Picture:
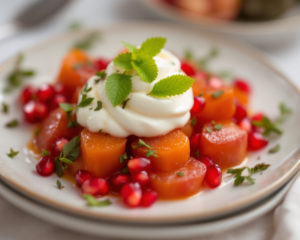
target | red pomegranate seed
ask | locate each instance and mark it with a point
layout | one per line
(256, 141)
(213, 176)
(136, 165)
(81, 176)
(257, 117)
(95, 186)
(200, 75)
(142, 178)
(45, 93)
(59, 88)
(101, 64)
(240, 113)
(119, 180)
(242, 85)
(35, 111)
(207, 161)
(149, 197)
(198, 106)
(246, 125)
(131, 195)
(195, 141)
(45, 166)
(215, 83)
(27, 94)
(59, 145)
(57, 99)
(187, 68)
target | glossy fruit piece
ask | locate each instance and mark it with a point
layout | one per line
(149, 197)
(95, 186)
(217, 108)
(45, 93)
(54, 127)
(246, 125)
(77, 67)
(227, 147)
(256, 141)
(213, 177)
(257, 117)
(59, 145)
(81, 176)
(27, 94)
(188, 68)
(188, 128)
(200, 83)
(35, 112)
(195, 141)
(240, 113)
(45, 167)
(101, 63)
(207, 161)
(242, 85)
(215, 83)
(57, 99)
(75, 95)
(119, 180)
(241, 92)
(101, 152)
(131, 194)
(136, 165)
(180, 183)
(172, 150)
(198, 106)
(142, 178)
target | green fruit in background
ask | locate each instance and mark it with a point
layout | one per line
(265, 9)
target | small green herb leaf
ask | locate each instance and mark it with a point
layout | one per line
(171, 86)
(217, 94)
(71, 150)
(275, 149)
(12, 124)
(99, 106)
(85, 101)
(87, 42)
(45, 153)
(12, 153)
(218, 126)
(152, 46)
(151, 153)
(118, 87)
(180, 174)
(141, 143)
(123, 157)
(59, 185)
(91, 201)
(123, 61)
(268, 126)
(208, 129)
(5, 107)
(145, 67)
(129, 46)
(67, 107)
(193, 121)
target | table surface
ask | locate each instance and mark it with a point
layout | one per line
(99, 13)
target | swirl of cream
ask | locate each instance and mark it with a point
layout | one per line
(143, 115)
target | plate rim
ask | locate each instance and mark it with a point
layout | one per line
(247, 49)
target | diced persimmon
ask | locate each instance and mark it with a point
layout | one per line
(181, 183)
(77, 67)
(187, 128)
(53, 128)
(227, 146)
(75, 95)
(101, 152)
(219, 105)
(172, 150)
(75, 166)
(241, 96)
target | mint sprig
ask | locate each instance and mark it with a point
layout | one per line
(171, 86)
(145, 67)
(123, 61)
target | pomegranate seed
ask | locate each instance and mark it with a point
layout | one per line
(118, 181)
(142, 178)
(136, 165)
(187, 68)
(59, 145)
(149, 197)
(81, 176)
(257, 117)
(215, 83)
(95, 186)
(195, 141)
(45, 93)
(198, 106)
(59, 88)
(207, 161)
(240, 113)
(213, 176)
(256, 141)
(101, 64)
(200, 75)
(246, 125)
(35, 111)
(131, 194)
(27, 94)
(57, 99)
(45, 166)
(242, 85)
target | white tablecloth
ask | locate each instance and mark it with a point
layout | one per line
(18, 225)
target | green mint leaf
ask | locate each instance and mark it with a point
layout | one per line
(152, 46)
(5, 107)
(101, 75)
(99, 106)
(180, 174)
(268, 126)
(171, 86)
(124, 61)
(274, 149)
(145, 67)
(67, 107)
(45, 153)
(118, 87)
(59, 167)
(59, 184)
(129, 46)
(208, 129)
(12, 124)
(218, 126)
(87, 42)
(217, 94)
(91, 201)
(71, 150)
(12, 153)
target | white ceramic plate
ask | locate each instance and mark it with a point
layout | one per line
(132, 231)
(264, 31)
(269, 87)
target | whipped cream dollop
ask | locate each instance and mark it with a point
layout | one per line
(143, 115)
